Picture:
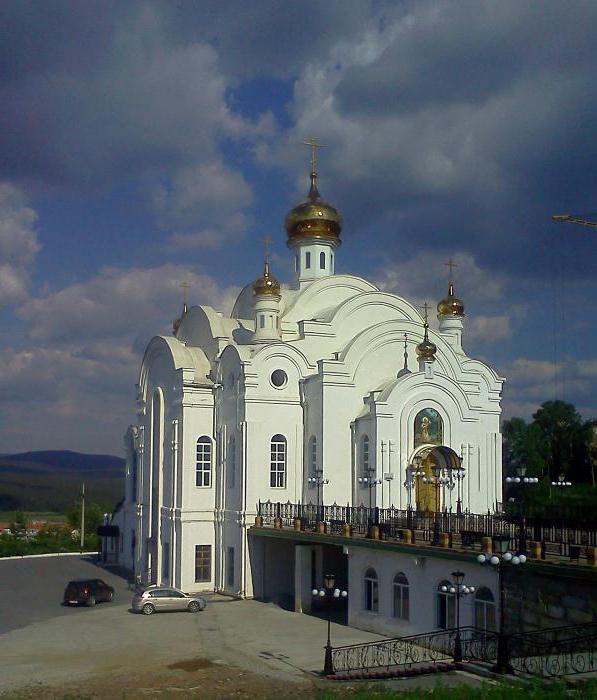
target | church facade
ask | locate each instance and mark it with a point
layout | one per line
(329, 391)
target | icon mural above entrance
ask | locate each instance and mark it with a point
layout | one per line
(429, 428)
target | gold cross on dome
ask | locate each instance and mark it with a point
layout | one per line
(314, 143)
(426, 307)
(451, 264)
(185, 286)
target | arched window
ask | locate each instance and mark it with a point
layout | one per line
(277, 468)
(203, 464)
(401, 597)
(365, 460)
(313, 455)
(484, 610)
(322, 260)
(446, 606)
(371, 591)
(231, 462)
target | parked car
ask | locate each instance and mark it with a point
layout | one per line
(166, 598)
(87, 591)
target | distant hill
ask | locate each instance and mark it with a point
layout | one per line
(50, 480)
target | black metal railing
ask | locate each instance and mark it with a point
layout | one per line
(555, 652)
(467, 527)
(402, 653)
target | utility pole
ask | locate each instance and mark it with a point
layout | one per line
(83, 516)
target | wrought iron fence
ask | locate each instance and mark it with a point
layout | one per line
(467, 527)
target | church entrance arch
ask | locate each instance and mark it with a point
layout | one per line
(434, 466)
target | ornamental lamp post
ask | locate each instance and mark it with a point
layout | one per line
(458, 589)
(329, 594)
(369, 482)
(522, 480)
(499, 560)
(319, 482)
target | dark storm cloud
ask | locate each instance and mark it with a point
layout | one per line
(464, 125)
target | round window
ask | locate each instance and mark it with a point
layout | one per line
(279, 378)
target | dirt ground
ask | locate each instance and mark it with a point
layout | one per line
(189, 678)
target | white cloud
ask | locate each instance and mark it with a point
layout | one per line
(18, 244)
(120, 302)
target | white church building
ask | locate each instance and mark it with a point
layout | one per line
(328, 389)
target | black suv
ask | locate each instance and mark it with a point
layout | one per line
(87, 591)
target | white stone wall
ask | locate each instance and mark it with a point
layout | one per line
(424, 574)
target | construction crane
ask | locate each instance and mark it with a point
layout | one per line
(572, 219)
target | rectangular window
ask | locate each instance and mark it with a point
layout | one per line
(371, 595)
(166, 560)
(230, 567)
(202, 563)
(261, 321)
(307, 260)
(446, 611)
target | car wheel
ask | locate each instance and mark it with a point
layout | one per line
(110, 596)
(194, 606)
(148, 609)
(91, 601)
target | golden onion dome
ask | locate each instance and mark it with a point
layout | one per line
(451, 305)
(314, 218)
(267, 284)
(426, 349)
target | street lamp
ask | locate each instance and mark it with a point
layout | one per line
(458, 589)
(438, 481)
(318, 481)
(561, 481)
(499, 560)
(369, 482)
(523, 481)
(412, 474)
(329, 594)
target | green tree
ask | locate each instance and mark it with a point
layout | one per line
(18, 526)
(566, 439)
(94, 516)
(524, 446)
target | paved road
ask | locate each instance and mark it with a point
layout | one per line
(31, 589)
(44, 644)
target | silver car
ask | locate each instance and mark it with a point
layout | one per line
(166, 598)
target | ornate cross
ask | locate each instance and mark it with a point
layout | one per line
(185, 287)
(266, 243)
(451, 264)
(426, 307)
(314, 143)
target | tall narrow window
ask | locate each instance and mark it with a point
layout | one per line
(371, 591)
(277, 470)
(322, 260)
(231, 462)
(401, 597)
(230, 567)
(365, 463)
(331, 262)
(307, 260)
(446, 606)
(166, 560)
(313, 455)
(202, 563)
(296, 263)
(203, 464)
(484, 610)
(261, 321)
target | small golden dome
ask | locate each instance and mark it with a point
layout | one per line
(451, 305)
(314, 218)
(426, 350)
(266, 284)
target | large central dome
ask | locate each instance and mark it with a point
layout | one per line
(313, 218)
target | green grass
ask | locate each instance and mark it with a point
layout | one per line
(540, 690)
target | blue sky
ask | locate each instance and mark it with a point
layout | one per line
(147, 143)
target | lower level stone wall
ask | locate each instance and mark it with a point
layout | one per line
(549, 598)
